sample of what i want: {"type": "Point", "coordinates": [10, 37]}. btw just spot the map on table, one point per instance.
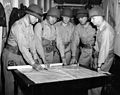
{"type": "Point", "coordinates": [61, 74]}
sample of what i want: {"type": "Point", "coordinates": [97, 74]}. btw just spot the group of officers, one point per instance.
{"type": "Point", "coordinates": [52, 41]}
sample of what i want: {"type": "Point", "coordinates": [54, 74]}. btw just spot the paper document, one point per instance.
{"type": "Point", "coordinates": [19, 67]}
{"type": "Point", "coordinates": [24, 67]}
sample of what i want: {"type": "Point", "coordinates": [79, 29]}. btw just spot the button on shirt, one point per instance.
{"type": "Point", "coordinates": [66, 33]}
{"type": "Point", "coordinates": [105, 41]}
{"type": "Point", "coordinates": [85, 34]}
{"type": "Point", "coordinates": [22, 35]}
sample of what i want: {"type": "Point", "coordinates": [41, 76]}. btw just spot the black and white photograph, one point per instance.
{"type": "Point", "coordinates": [59, 47]}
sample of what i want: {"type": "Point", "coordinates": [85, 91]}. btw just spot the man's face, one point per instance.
{"type": "Point", "coordinates": [96, 20]}
{"type": "Point", "coordinates": [83, 20]}
{"type": "Point", "coordinates": [33, 19]}
{"type": "Point", "coordinates": [66, 19]}
{"type": "Point", "coordinates": [52, 20]}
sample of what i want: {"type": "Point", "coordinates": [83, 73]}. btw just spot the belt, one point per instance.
{"type": "Point", "coordinates": [46, 42]}
{"type": "Point", "coordinates": [67, 44]}
{"type": "Point", "coordinates": [13, 49]}
{"type": "Point", "coordinates": [87, 46]}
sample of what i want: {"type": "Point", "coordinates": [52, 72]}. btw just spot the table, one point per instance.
{"type": "Point", "coordinates": [60, 80]}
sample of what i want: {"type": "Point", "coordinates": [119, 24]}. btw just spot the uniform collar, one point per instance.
{"type": "Point", "coordinates": [102, 26]}
{"type": "Point", "coordinates": [66, 24]}
{"type": "Point", "coordinates": [26, 21]}
{"type": "Point", "coordinates": [46, 22]}
{"type": "Point", "coordinates": [87, 25]}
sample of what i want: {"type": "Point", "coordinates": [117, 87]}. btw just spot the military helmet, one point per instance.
{"type": "Point", "coordinates": [35, 10]}
{"type": "Point", "coordinates": [96, 11]}
{"type": "Point", "coordinates": [82, 13]}
{"type": "Point", "coordinates": [54, 12]}
{"type": "Point", "coordinates": [67, 12]}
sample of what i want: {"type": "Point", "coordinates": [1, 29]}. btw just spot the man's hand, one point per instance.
{"type": "Point", "coordinates": [37, 61]}
{"type": "Point", "coordinates": [37, 67]}
{"type": "Point", "coordinates": [73, 60]}
{"type": "Point", "coordinates": [99, 68]}
{"type": "Point", "coordinates": [64, 61]}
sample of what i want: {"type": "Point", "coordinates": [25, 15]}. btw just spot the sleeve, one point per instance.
{"type": "Point", "coordinates": [21, 41]}
{"type": "Point", "coordinates": [75, 41]}
{"type": "Point", "coordinates": [91, 38]}
{"type": "Point", "coordinates": [96, 46]}
{"type": "Point", "coordinates": [60, 44]}
{"type": "Point", "coordinates": [38, 40]}
{"type": "Point", "coordinates": [72, 33]}
{"type": "Point", "coordinates": [33, 49]}
{"type": "Point", "coordinates": [104, 49]}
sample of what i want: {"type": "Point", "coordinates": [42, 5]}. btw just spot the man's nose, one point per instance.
{"type": "Point", "coordinates": [91, 20]}
{"type": "Point", "coordinates": [37, 19]}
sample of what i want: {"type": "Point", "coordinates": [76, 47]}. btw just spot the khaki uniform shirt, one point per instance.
{"type": "Point", "coordinates": [22, 35]}
{"type": "Point", "coordinates": [117, 43]}
{"type": "Point", "coordinates": [66, 34]}
{"type": "Point", "coordinates": [117, 32]}
{"type": "Point", "coordinates": [105, 41]}
{"type": "Point", "coordinates": [85, 34]}
{"type": "Point", "coordinates": [49, 32]}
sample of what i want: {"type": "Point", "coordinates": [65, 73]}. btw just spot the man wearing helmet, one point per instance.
{"type": "Point", "coordinates": [84, 34]}
{"type": "Point", "coordinates": [20, 47]}
{"type": "Point", "coordinates": [48, 39]}
{"type": "Point", "coordinates": [104, 39]}
{"type": "Point", "coordinates": [65, 30]}
{"type": "Point", "coordinates": [104, 42]}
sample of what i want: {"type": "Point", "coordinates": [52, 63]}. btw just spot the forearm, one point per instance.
{"type": "Point", "coordinates": [103, 53]}
{"type": "Point", "coordinates": [27, 56]}
{"type": "Point", "coordinates": [62, 51]}
{"type": "Point", "coordinates": [40, 51]}
{"type": "Point", "coordinates": [73, 49]}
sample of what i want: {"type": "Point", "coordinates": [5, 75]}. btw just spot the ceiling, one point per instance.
{"type": "Point", "coordinates": [91, 2]}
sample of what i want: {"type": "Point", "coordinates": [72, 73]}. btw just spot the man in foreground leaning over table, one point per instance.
{"type": "Point", "coordinates": [20, 47]}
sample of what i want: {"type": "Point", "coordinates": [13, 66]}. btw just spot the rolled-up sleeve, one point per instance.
{"type": "Point", "coordinates": [38, 40]}
{"type": "Point", "coordinates": [22, 44]}
{"type": "Point", "coordinates": [105, 46]}
{"type": "Point", "coordinates": [33, 48]}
